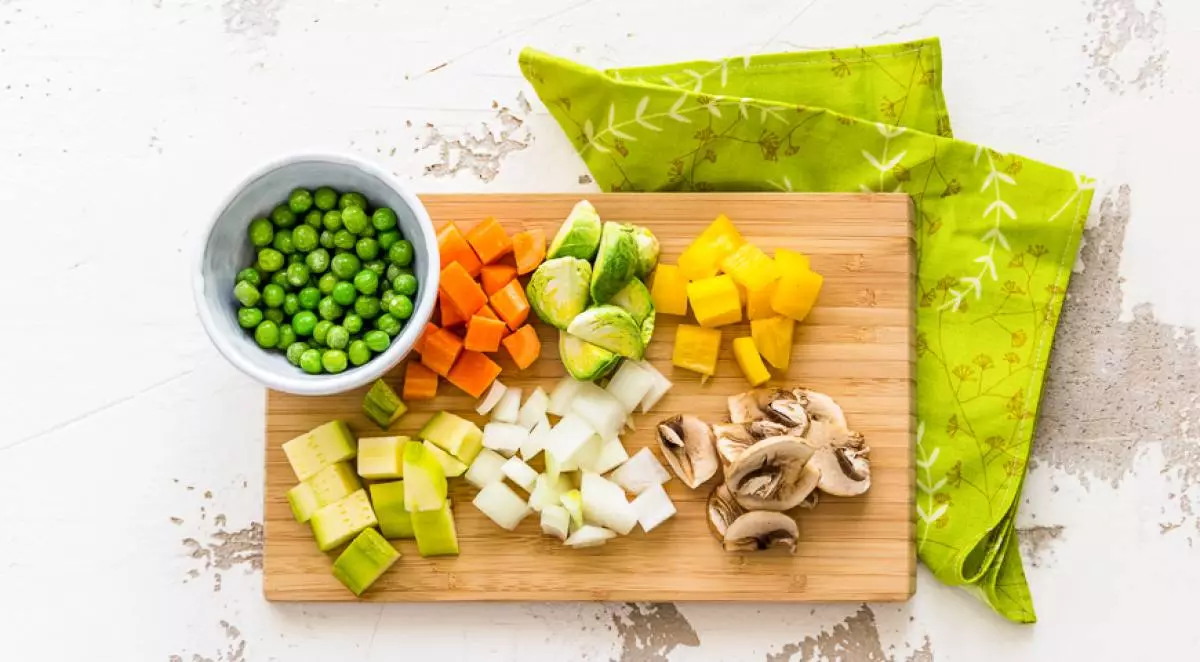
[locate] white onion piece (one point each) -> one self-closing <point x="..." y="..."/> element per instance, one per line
<point x="611" y="455"/>
<point x="563" y="394"/>
<point x="491" y="398"/>
<point x="585" y="458"/>
<point x="536" y="443"/>
<point x="486" y="469"/>
<point x="640" y="472"/>
<point x="501" y="505"/>
<point x="589" y="536"/>
<point x="572" y="500"/>
<point x="566" y="438"/>
<point x="604" y="504"/>
<point x="509" y="407"/>
<point x="656" y="392"/>
<point x="653" y="507"/>
<point x="521" y="474"/>
<point x="604" y="413"/>
<point x="534" y="409"/>
<point x="556" y="522"/>
<point x="630" y="384"/>
<point x="504" y="438"/>
<point x="548" y="491"/>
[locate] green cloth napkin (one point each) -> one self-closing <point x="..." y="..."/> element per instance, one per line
<point x="997" y="235"/>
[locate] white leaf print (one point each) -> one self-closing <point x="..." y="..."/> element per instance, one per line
<point x="589" y="130"/>
<point x="612" y="113"/>
<point x="989" y="262"/>
<point x="697" y="77"/>
<point x="1002" y="206"/>
<point x="873" y="161"/>
<point x="724" y="72"/>
<point x="742" y="108"/>
<point x="641" y="110"/>
<point x="675" y="107"/>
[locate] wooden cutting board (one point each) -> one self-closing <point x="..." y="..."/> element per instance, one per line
<point x="856" y="345"/>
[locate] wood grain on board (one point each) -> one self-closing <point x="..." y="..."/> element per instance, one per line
<point x="857" y="345"/>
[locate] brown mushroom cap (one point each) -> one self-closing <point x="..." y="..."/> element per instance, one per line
<point x="760" y="529"/>
<point x="722" y="511"/>
<point x="687" y="444"/>
<point x="770" y="475"/>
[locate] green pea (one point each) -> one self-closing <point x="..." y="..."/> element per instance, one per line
<point x="377" y="341"/>
<point x="385" y="300"/>
<point x="334" y="361"/>
<point x="283" y="242"/>
<point x="313" y="219"/>
<point x="297" y="274"/>
<point x="248" y="318"/>
<point x="270" y="260"/>
<point x="266" y="334"/>
<point x="280" y="278"/>
<point x="359" y="352"/>
<point x="343" y="239"/>
<point x="304" y="322"/>
<point x="332" y="220"/>
<point x="317" y="261"/>
<point x="383" y="219"/>
<point x="272" y="296"/>
<point x="310" y="297"/>
<point x="329" y="309"/>
<point x="353" y="322"/>
<point x="352" y="200"/>
<point x="355" y="219"/>
<point x="295" y="258"/>
<point x="326" y="283"/>
<point x="401" y="308"/>
<point x="246" y="294"/>
<point x="345" y="266"/>
<point x="377" y="266"/>
<point x="261" y="232"/>
<point x="344" y="293"/>
<point x="326" y="240"/>
<point x="401" y="253"/>
<point x="283" y="217"/>
<point x="388" y="323"/>
<point x="294" y="351"/>
<point x="325" y="198"/>
<point x="405" y="284"/>
<point x="305" y="238"/>
<point x="299" y="201"/>
<point x="287" y="336"/>
<point x="368" y="231"/>
<point x="367" y="307"/>
<point x="291" y="304"/>
<point x="310" y="361"/>
<point x="366" y="281"/>
<point x="338" y="337"/>
<point x="387" y="239"/>
<point x="274" y="314"/>
<point x="367" y="248"/>
<point x="249" y="275"/>
<point x="321" y="331"/>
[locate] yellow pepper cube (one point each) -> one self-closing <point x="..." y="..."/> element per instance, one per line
<point x="715" y="301"/>
<point x="702" y="258"/>
<point x="790" y="260"/>
<point x="796" y="293"/>
<point x="696" y="349"/>
<point x="750" y="362"/>
<point x="750" y="267"/>
<point x="758" y="304"/>
<point x="773" y="339"/>
<point x="669" y="290"/>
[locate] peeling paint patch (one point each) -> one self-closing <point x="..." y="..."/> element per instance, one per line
<point x="1092" y="423"/>
<point x="1037" y="542"/>
<point x="480" y="154"/>
<point x="650" y="631"/>
<point x="585" y="179"/>
<point x="234" y="651"/>
<point x="252" y="18"/>
<point x="855" y="639"/>
<point x="227" y="549"/>
<point x="1127" y="45"/>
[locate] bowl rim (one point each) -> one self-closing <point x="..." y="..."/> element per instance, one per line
<point x="302" y="383"/>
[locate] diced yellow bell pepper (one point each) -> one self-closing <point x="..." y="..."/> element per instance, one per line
<point x="789" y="260"/>
<point x="758" y="304"/>
<point x="715" y="301"/>
<point x="702" y="258"/>
<point x="796" y="293"/>
<point x="743" y="297"/>
<point x="750" y="267"/>
<point x="669" y="290"/>
<point x="773" y="338"/>
<point x="749" y="361"/>
<point x="696" y="349"/>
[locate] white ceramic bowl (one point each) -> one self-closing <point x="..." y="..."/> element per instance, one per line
<point x="225" y="250"/>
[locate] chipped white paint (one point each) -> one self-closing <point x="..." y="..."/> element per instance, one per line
<point x="126" y="121"/>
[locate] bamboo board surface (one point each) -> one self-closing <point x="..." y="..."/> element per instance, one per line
<point x="856" y="345"/>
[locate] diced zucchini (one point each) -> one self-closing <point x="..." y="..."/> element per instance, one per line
<point x="435" y="532"/>
<point x="318" y="448"/>
<point x="424" y="481"/>
<point x="381" y="457"/>
<point x="304" y="502"/>
<point x="332" y="483"/>
<point x="364" y="561"/>
<point x="382" y="405"/>
<point x="451" y="466"/>
<point x="342" y="520"/>
<point x="394" y="518"/>
<point x="453" y="434"/>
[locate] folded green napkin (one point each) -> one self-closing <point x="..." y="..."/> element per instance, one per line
<point x="996" y="235"/>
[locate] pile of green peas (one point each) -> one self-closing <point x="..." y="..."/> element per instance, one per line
<point x="332" y="283"/>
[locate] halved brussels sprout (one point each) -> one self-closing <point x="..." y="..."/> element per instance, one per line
<point x="558" y="290"/>
<point x="583" y="360"/>
<point x="579" y="235"/>
<point x="615" y="263"/>
<point x="609" y="327"/>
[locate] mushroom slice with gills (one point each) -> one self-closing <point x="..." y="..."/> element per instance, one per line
<point x="822" y="408"/>
<point x="688" y="445"/>
<point x="746" y="407"/>
<point x="722" y="511"/>
<point x="774" y="409"/>
<point x="788" y="409"/>
<point x="813" y="497"/>
<point x="760" y="529"/>
<point x="770" y="475"/>
<point x="732" y="440"/>
<point x="765" y="428"/>
<point x="841" y="457"/>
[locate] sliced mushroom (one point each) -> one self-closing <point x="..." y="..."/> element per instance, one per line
<point x="747" y="407"/>
<point x="777" y="411"/>
<point x="722" y="511"/>
<point x="762" y="429"/>
<point x="822" y="408"/>
<point x="762" y="530"/>
<point x="732" y="440"/>
<point x="841" y="457"/>
<point x="787" y="409"/>
<point x="770" y="475"/>
<point x="813" y="497"/>
<point x="687" y="443"/>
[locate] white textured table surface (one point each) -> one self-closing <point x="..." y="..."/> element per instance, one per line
<point x="131" y="454"/>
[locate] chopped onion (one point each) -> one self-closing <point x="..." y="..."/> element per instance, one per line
<point x="486" y="469"/>
<point x="656" y="392"/>
<point x="604" y="504"/>
<point x="491" y="398"/>
<point x="589" y="536"/>
<point x="563" y="394"/>
<point x="509" y="407"/>
<point x="630" y="424"/>
<point x="521" y="474"/>
<point x="504" y="438"/>
<point x="534" y="409"/>
<point x="653" y="507"/>
<point x="611" y="455"/>
<point x="585" y="458"/>
<point x="548" y="491"/>
<point x="501" y="505"/>
<point x="572" y="500"/>
<point x="556" y="522"/>
<point x="630" y="384"/>
<point x="566" y="438"/>
<point x="640" y="472"/>
<point x="536" y="443"/>
<point x="604" y="413"/>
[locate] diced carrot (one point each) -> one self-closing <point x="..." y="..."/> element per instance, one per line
<point x="453" y="247"/>
<point x="462" y="290"/>
<point x="495" y="276"/>
<point x="450" y="313"/>
<point x="489" y="240"/>
<point x="484" y="334"/>
<point x="440" y="351"/>
<point x="523" y="345"/>
<point x="487" y="312"/>
<point x="430" y="328"/>
<point x="420" y="383"/>
<point x="474" y="373"/>
<point x="510" y="304"/>
<point x="529" y="249"/>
